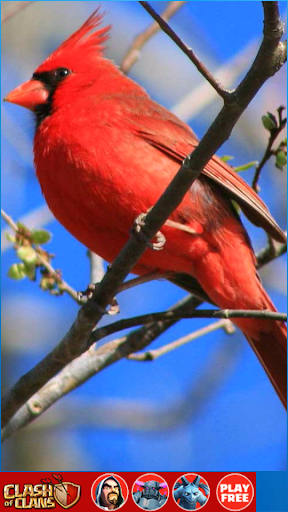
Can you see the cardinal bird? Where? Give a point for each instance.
(104, 152)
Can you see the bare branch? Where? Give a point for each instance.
(78, 370)
(270, 252)
(131, 415)
(18, 7)
(188, 51)
(126, 323)
(133, 53)
(150, 355)
(9, 220)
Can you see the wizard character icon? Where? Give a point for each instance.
(189, 493)
(109, 494)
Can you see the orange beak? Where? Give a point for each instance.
(28, 95)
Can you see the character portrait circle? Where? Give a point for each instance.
(150, 491)
(191, 491)
(109, 492)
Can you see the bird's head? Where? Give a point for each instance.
(72, 67)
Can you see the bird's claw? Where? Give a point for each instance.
(139, 223)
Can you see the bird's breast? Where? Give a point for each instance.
(98, 179)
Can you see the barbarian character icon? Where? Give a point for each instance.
(189, 493)
(109, 494)
(150, 498)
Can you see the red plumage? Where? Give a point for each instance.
(105, 152)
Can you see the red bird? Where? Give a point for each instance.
(105, 152)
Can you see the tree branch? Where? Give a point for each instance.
(131, 417)
(79, 370)
(188, 51)
(19, 7)
(133, 53)
(151, 355)
(270, 252)
(127, 323)
(63, 285)
(274, 132)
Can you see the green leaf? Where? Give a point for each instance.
(269, 121)
(27, 254)
(23, 228)
(10, 238)
(245, 167)
(226, 158)
(281, 159)
(40, 236)
(17, 271)
(29, 271)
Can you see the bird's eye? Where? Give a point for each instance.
(62, 72)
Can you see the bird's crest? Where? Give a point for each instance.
(83, 41)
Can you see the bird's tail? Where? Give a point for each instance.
(273, 358)
(268, 339)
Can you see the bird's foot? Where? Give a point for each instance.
(137, 230)
(87, 294)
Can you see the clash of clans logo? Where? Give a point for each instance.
(44, 495)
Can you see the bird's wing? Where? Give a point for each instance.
(168, 134)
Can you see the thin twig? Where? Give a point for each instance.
(146, 278)
(224, 93)
(35, 219)
(18, 7)
(270, 252)
(133, 52)
(150, 355)
(269, 152)
(9, 221)
(127, 323)
(96, 268)
(65, 287)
